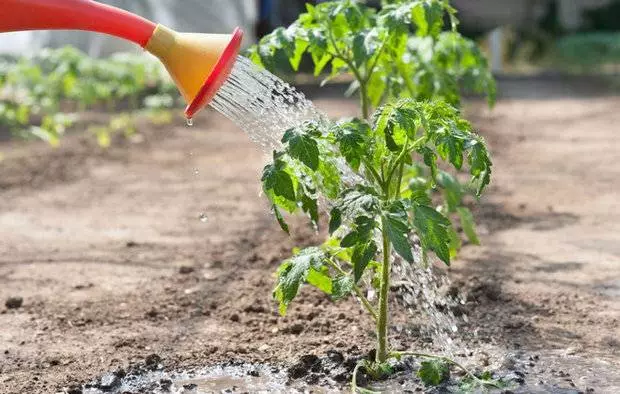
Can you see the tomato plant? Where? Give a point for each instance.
(379, 173)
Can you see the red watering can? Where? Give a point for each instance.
(198, 63)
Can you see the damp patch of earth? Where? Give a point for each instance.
(520, 373)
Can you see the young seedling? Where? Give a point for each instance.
(378, 173)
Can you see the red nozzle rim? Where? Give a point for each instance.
(218, 76)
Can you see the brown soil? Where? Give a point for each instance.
(113, 264)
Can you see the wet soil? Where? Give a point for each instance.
(115, 270)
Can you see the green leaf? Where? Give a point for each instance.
(335, 220)
(276, 179)
(434, 372)
(329, 179)
(310, 206)
(450, 147)
(293, 272)
(455, 242)
(432, 228)
(303, 147)
(396, 225)
(452, 190)
(358, 201)
(351, 139)
(362, 255)
(320, 279)
(359, 49)
(342, 287)
(280, 219)
(469, 225)
(300, 49)
(480, 165)
(430, 159)
(350, 239)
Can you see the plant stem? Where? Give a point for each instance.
(364, 99)
(382, 321)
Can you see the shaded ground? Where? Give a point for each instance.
(113, 263)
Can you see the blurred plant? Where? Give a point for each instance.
(589, 51)
(40, 94)
(378, 173)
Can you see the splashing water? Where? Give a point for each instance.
(421, 287)
(263, 105)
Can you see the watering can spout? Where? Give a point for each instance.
(198, 63)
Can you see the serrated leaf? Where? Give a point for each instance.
(434, 372)
(351, 139)
(302, 147)
(293, 272)
(469, 225)
(452, 190)
(450, 147)
(277, 180)
(320, 280)
(280, 219)
(362, 255)
(430, 159)
(335, 220)
(310, 206)
(396, 225)
(329, 179)
(432, 228)
(358, 201)
(300, 49)
(480, 165)
(342, 287)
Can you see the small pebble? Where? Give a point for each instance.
(14, 302)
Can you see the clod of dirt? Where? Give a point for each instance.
(335, 356)
(235, 318)
(152, 361)
(296, 328)
(14, 302)
(255, 309)
(185, 269)
(74, 390)
(152, 313)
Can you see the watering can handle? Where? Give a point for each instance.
(18, 15)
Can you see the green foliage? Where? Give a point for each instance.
(380, 175)
(41, 94)
(588, 51)
(434, 372)
(399, 51)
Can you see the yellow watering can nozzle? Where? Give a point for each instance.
(198, 63)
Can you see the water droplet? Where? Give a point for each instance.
(190, 122)
(203, 217)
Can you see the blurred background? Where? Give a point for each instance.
(569, 34)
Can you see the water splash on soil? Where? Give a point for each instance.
(262, 105)
(421, 286)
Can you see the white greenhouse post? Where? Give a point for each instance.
(496, 47)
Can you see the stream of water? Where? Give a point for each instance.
(262, 105)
